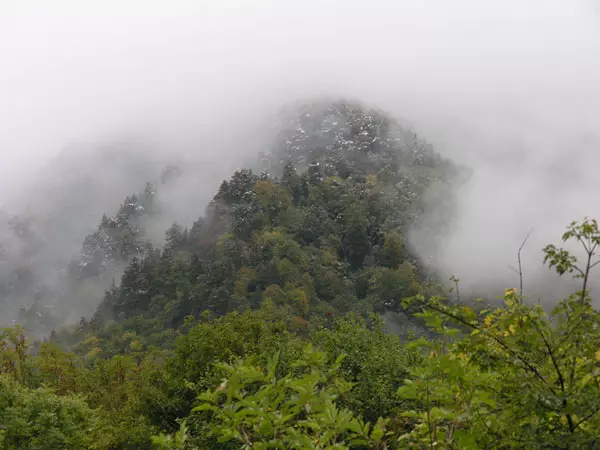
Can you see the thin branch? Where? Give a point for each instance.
(589, 416)
(513, 269)
(561, 379)
(527, 364)
(574, 366)
(568, 335)
(520, 272)
(581, 272)
(583, 243)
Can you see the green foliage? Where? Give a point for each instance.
(394, 249)
(387, 287)
(511, 376)
(585, 233)
(449, 404)
(172, 442)
(375, 362)
(349, 190)
(13, 352)
(259, 409)
(262, 326)
(39, 419)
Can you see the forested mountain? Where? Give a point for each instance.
(44, 232)
(321, 230)
(266, 322)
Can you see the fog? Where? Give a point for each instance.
(509, 88)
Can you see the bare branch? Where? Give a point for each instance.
(520, 272)
(513, 269)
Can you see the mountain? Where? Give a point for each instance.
(50, 219)
(293, 313)
(320, 228)
(59, 267)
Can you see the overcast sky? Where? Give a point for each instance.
(511, 87)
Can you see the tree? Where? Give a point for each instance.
(38, 419)
(518, 376)
(259, 409)
(375, 362)
(585, 233)
(394, 249)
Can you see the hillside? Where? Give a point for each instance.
(48, 274)
(321, 231)
(49, 221)
(265, 323)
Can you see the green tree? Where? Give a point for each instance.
(259, 409)
(39, 419)
(375, 362)
(517, 377)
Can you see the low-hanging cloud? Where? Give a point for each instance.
(509, 88)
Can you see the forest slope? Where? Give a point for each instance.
(259, 326)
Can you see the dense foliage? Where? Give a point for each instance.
(261, 325)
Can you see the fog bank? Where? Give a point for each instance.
(509, 88)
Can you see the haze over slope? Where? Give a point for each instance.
(509, 88)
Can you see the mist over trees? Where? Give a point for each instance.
(295, 312)
(311, 224)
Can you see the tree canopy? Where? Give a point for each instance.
(261, 325)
